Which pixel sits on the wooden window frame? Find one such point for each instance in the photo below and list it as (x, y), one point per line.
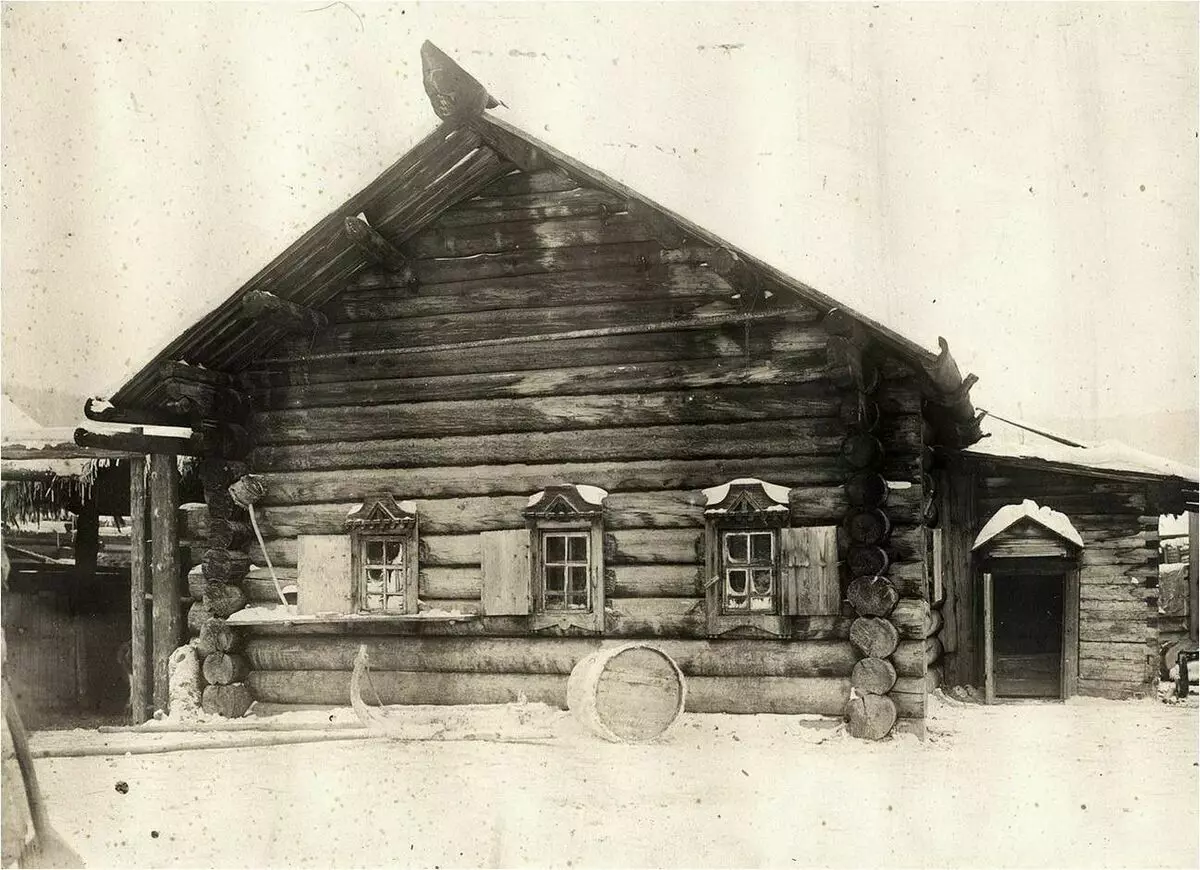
(381, 518)
(562, 510)
(750, 565)
(747, 508)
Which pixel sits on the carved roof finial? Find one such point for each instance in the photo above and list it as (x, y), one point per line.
(452, 90)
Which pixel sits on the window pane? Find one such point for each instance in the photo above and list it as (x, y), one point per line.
(737, 582)
(374, 602)
(375, 552)
(761, 603)
(760, 547)
(577, 549)
(395, 580)
(555, 578)
(578, 577)
(736, 602)
(762, 582)
(556, 548)
(395, 603)
(374, 579)
(395, 552)
(735, 547)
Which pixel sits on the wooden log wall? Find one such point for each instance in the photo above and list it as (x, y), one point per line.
(427, 392)
(1118, 574)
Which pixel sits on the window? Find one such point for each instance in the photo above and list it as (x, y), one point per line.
(760, 570)
(565, 567)
(750, 570)
(383, 536)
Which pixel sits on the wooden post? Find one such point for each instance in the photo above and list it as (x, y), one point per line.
(1070, 652)
(989, 676)
(1193, 573)
(166, 579)
(139, 584)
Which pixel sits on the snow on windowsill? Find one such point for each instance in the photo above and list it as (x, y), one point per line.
(265, 614)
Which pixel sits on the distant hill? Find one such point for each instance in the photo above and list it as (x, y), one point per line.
(47, 405)
(1173, 434)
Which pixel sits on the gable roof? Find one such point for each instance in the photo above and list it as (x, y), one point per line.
(468, 151)
(1028, 511)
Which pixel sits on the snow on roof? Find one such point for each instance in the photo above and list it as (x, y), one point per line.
(1102, 456)
(717, 494)
(1011, 514)
(590, 494)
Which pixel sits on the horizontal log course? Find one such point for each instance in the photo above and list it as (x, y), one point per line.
(1137, 609)
(222, 600)
(225, 566)
(282, 313)
(505, 324)
(1111, 669)
(799, 368)
(623, 284)
(656, 617)
(1117, 690)
(537, 260)
(520, 183)
(717, 441)
(547, 655)
(873, 676)
(1111, 504)
(230, 701)
(911, 704)
(870, 717)
(530, 207)
(789, 695)
(1126, 652)
(562, 232)
(312, 487)
(1119, 589)
(911, 657)
(215, 636)
(766, 340)
(1097, 629)
(542, 414)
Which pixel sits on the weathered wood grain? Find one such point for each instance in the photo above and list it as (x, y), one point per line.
(542, 414)
(547, 655)
(530, 206)
(621, 284)
(804, 371)
(813, 436)
(517, 183)
(523, 235)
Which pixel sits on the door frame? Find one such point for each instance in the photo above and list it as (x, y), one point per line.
(1069, 662)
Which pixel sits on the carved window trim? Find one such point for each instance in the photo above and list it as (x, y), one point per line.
(752, 507)
(575, 512)
(375, 526)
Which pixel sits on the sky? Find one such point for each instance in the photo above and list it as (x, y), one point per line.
(1021, 179)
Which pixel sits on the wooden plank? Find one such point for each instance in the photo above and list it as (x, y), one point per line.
(505, 572)
(820, 436)
(1115, 689)
(656, 581)
(806, 371)
(550, 232)
(166, 576)
(785, 695)
(1127, 652)
(543, 414)
(140, 636)
(808, 566)
(621, 284)
(324, 575)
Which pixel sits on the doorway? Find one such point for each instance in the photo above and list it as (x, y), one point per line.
(1027, 634)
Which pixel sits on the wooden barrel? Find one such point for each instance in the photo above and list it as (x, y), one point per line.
(627, 694)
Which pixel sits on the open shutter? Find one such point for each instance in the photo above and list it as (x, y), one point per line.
(808, 568)
(504, 560)
(324, 574)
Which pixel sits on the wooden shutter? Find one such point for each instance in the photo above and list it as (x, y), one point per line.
(504, 560)
(324, 574)
(808, 571)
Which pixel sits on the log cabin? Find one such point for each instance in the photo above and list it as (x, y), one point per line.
(498, 411)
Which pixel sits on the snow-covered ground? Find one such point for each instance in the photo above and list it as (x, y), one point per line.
(1088, 783)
